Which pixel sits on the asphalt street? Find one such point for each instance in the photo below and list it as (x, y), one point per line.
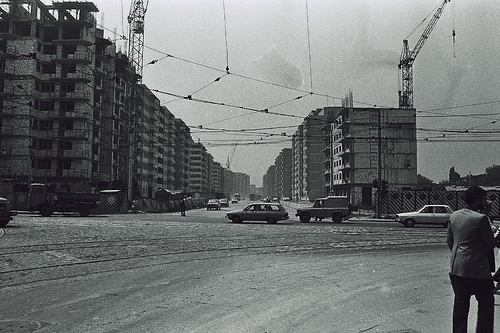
(202, 273)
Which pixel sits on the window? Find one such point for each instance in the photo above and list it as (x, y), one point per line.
(67, 106)
(45, 144)
(47, 87)
(68, 87)
(46, 125)
(46, 106)
(66, 125)
(43, 164)
(440, 209)
(49, 49)
(64, 165)
(68, 49)
(66, 145)
(48, 69)
(66, 69)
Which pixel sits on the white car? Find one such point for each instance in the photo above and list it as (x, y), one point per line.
(213, 204)
(429, 214)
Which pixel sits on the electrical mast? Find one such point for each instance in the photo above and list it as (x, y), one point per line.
(136, 35)
(408, 57)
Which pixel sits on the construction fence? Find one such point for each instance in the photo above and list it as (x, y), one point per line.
(398, 201)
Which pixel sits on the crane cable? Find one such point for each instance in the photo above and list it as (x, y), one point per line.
(225, 36)
(309, 45)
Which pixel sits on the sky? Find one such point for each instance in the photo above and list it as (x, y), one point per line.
(294, 56)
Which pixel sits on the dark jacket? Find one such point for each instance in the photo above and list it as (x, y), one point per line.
(469, 239)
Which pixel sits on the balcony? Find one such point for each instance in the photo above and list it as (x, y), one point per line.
(83, 154)
(81, 173)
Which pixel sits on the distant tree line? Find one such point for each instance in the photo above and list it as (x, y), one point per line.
(491, 177)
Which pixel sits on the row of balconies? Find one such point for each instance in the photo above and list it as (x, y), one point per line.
(62, 154)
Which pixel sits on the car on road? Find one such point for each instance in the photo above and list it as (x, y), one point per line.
(259, 211)
(223, 202)
(428, 214)
(234, 201)
(6, 212)
(213, 204)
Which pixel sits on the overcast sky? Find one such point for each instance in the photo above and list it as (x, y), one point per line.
(354, 45)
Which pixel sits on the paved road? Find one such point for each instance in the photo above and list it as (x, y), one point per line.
(201, 273)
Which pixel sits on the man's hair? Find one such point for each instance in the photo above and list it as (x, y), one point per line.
(473, 193)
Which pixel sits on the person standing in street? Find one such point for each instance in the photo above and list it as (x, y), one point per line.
(182, 207)
(469, 238)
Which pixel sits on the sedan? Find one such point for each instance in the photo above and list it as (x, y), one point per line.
(429, 214)
(213, 204)
(260, 211)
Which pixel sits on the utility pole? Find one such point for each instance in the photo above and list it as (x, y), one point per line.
(379, 160)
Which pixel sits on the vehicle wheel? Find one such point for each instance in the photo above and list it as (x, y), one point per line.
(45, 210)
(304, 217)
(409, 223)
(236, 219)
(446, 224)
(337, 217)
(208, 208)
(271, 220)
(84, 210)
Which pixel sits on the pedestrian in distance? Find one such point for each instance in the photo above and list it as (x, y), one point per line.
(470, 238)
(182, 207)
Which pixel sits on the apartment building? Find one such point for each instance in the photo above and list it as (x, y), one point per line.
(308, 156)
(363, 143)
(73, 114)
(284, 173)
(182, 144)
(269, 182)
(51, 114)
(278, 178)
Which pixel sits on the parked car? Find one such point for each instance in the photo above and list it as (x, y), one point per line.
(429, 214)
(259, 211)
(223, 202)
(6, 212)
(213, 204)
(234, 201)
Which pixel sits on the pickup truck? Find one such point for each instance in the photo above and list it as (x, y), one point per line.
(336, 208)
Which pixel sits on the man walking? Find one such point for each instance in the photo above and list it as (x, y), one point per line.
(182, 207)
(469, 239)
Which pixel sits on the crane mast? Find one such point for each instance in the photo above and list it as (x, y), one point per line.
(136, 35)
(230, 157)
(408, 57)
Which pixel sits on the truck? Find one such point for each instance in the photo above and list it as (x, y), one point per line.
(44, 199)
(6, 212)
(336, 208)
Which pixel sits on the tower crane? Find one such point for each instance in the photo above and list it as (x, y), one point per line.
(135, 20)
(230, 157)
(408, 57)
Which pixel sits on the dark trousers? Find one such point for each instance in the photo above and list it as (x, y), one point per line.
(482, 289)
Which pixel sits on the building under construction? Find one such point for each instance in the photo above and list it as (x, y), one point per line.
(73, 112)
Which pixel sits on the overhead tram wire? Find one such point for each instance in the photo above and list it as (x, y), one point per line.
(167, 55)
(311, 92)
